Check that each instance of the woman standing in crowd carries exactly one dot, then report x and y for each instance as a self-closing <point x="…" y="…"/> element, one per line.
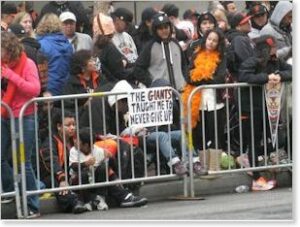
<point x="19" y="84"/>
<point x="208" y="67"/>
<point x="263" y="68"/>
<point x="25" y="20"/>
<point x="57" y="49"/>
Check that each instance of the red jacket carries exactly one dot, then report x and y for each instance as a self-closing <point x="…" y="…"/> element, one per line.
<point x="28" y="86"/>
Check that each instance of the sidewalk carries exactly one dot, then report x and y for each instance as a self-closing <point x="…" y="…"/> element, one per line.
<point x="208" y="185"/>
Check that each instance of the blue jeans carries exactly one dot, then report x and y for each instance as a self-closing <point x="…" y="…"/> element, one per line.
<point x="165" y="145"/>
<point x="6" y="168"/>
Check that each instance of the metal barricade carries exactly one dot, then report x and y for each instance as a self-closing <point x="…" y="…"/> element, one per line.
<point x="266" y="163"/>
<point x="16" y="177"/>
<point x="148" y="177"/>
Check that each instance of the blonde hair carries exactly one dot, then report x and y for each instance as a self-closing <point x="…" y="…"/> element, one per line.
<point x="49" y="23"/>
<point x="220" y="15"/>
<point x="11" y="44"/>
<point x="19" y="17"/>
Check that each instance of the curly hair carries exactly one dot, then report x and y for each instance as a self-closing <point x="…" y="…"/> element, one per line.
<point x="11" y="43"/>
<point x="49" y="23"/>
<point x="79" y="60"/>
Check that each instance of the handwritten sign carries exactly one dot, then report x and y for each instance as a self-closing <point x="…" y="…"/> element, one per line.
<point x="150" y="107"/>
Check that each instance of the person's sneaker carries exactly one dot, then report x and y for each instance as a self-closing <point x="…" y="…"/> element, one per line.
<point x="33" y="214"/>
<point x="199" y="169"/>
<point x="133" y="201"/>
<point x="243" y="162"/>
<point x="179" y="169"/>
<point x="7" y="200"/>
<point x="99" y="203"/>
<point x="261" y="185"/>
<point x="89" y="206"/>
<point x="79" y="208"/>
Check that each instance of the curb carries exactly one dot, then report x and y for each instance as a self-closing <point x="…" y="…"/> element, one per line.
<point x="158" y="191"/>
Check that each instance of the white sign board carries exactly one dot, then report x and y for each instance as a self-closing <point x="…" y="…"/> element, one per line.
<point x="150" y="107"/>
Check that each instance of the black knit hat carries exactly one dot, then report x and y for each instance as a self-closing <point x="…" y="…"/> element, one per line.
<point x="123" y="14"/>
<point x="148" y="13"/>
<point x="8" y="8"/>
<point x="17" y="29"/>
<point x="159" y="19"/>
<point x="170" y="10"/>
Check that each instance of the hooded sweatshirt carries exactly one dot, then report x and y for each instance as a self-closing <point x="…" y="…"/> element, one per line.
<point x="161" y="59"/>
<point x="283" y="37"/>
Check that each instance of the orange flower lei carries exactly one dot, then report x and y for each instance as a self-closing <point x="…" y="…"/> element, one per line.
<point x="205" y="64"/>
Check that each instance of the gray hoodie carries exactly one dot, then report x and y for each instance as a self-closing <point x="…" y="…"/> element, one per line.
<point x="283" y="38"/>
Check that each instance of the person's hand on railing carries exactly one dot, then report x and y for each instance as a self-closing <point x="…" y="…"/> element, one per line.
<point x="61" y="185"/>
<point x="274" y="79"/>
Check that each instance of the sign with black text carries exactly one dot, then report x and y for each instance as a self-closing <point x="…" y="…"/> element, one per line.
<point x="150" y="107"/>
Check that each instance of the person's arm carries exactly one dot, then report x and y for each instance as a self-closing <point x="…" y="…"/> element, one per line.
<point x="29" y="83"/>
<point x="285" y="71"/>
<point x="142" y="64"/>
<point x="248" y="72"/>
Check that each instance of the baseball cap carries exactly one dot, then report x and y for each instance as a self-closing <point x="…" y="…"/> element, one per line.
<point x="123" y="14"/>
<point x="121" y="86"/>
<point x="239" y="19"/>
<point x="67" y="16"/>
<point x="148" y="13"/>
<point x="17" y="29"/>
<point x="257" y="10"/>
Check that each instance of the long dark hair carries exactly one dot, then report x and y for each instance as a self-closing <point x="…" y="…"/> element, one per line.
<point x="79" y="60"/>
<point x="221" y="43"/>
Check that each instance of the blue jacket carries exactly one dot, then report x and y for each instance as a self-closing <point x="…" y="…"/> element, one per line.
<point x="58" y="51"/>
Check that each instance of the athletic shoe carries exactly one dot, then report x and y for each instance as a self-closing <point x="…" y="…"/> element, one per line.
<point x="33" y="214"/>
<point x="99" y="203"/>
<point x="179" y="169"/>
<point x="133" y="201"/>
<point x="79" y="207"/>
<point x="198" y="169"/>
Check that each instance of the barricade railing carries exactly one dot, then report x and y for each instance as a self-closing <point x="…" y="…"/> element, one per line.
<point x="16" y="176"/>
<point x="148" y="176"/>
<point x="265" y="164"/>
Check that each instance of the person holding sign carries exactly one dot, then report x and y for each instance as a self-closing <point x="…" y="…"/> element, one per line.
<point x="263" y="68"/>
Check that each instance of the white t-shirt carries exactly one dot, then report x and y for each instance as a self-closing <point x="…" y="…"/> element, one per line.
<point x="97" y="152"/>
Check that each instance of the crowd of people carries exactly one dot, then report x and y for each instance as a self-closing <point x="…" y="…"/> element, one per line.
<point x="64" y="51"/>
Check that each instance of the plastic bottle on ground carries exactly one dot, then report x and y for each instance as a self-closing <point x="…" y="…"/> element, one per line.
<point x="242" y="188"/>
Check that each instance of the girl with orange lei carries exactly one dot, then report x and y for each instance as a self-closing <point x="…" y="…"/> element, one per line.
<point x="209" y="67"/>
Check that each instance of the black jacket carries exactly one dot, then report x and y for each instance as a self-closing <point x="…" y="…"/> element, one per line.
<point x="253" y="73"/>
<point x="31" y="47"/>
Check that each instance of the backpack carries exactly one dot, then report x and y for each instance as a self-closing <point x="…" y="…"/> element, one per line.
<point x="231" y="58"/>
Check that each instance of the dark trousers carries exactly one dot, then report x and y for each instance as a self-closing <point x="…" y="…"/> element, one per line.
<point x="209" y="129"/>
<point x="115" y="191"/>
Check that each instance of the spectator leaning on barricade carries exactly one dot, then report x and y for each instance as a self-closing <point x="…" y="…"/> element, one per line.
<point x="113" y="64"/>
<point x="280" y="27"/>
<point x="208" y="67"/>
<point x="262" y="68"/>
<point x="93" y="159"/>
<point x="19" y="84"/>
<point x="259" y="19"/>
<point x="8" y="12"/>
<point x="79" y="41"/>
<point x="162" y="57"/>
<point x="84" y="78"/>
<point x="143" y="33"/>
<point x="66" y="199"/>
<point x="121" y="39"/>
<point x="57" y="49"/>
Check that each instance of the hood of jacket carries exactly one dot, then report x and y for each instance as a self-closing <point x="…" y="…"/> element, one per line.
<point x="281" y="9"/>
<point x="57" y="40"/>
<point x="232" y="33"/>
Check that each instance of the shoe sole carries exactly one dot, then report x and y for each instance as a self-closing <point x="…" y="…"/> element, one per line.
<point x="142" y="202"/>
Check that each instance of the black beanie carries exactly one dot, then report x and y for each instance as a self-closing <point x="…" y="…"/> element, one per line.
<point x="171" y="10"/>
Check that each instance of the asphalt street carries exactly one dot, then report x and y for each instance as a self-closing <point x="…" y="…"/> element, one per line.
<point x="271" y="205"/>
